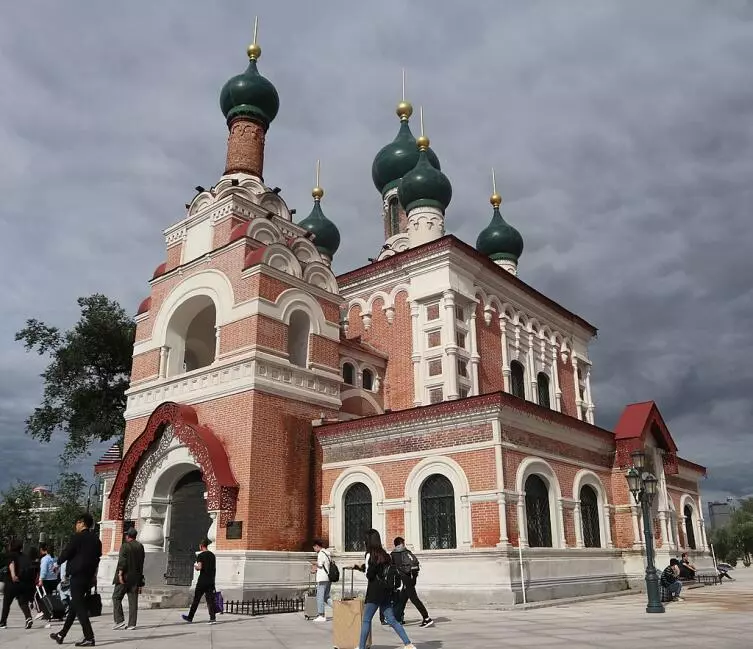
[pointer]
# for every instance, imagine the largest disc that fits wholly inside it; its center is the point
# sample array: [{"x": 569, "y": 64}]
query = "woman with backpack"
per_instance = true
[
  {"x": 380, "y": 594},
  {"x": 19, "y": 577}
]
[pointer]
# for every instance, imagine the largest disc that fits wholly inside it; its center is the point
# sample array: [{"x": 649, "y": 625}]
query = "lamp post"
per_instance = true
[
  {"x": 643, "y": 487},
  {"x": 93, "y": 485}
]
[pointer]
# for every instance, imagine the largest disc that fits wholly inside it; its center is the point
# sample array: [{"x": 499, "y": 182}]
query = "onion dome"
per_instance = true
[
  {"x": 249, "y": 94},
  {"x": 424, "y": 185},
  {"x": 499, "y": 240},
  {"x": 326, "y": 234},
  {"x": 399, "y": 156}
]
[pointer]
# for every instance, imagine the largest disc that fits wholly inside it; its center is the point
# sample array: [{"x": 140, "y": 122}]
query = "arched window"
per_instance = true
[
  {"x": 393, "y": 217},
  {"x": 542, "y": 380},
  {"x": 689, "y": 531},
  {"x": 298, "y": 338},
  {"x": 517, "y": 380},
  {"x": 589, "y": 516},
  {"x": 191, "y": 336},
  {"x": 349, "y": 374},
  {"x": 367, "y": 380},
  {"x": 438, "y": 514},
  {"x": 537, "y": 513},
  {"x": 357, "y": 511}
]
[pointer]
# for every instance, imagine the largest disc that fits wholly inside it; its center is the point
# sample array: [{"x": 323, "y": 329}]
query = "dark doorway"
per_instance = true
[
  {"x": 689, "y": 531},
  {"x": 189, "y": 523}
]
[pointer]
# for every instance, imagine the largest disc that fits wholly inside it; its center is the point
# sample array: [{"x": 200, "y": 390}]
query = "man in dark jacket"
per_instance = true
[
  {"x": 407, "y": 565},
  {"x": 82, "y": 555},
  {"x": 128, "y": 580}
]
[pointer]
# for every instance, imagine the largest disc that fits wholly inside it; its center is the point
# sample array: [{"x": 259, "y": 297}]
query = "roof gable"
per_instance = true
[{"x": 639, "y": 419}]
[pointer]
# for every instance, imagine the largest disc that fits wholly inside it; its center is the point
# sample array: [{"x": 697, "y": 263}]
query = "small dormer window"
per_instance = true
[
  {"x": 349, "y": 374},
  {"x": 367, "y": 380}
]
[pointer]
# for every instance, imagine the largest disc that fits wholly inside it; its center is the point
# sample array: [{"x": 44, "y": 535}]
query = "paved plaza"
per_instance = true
[{"x": 714, "y": 616}]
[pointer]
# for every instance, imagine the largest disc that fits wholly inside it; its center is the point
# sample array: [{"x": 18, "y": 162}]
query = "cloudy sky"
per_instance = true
[{"x": 621, "y": 133}]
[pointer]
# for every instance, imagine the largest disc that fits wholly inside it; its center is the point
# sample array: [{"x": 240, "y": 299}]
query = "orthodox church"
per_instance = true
[{"x": 431, "y": 394}]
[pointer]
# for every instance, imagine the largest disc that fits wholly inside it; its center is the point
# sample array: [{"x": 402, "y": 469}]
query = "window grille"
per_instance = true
[
  {"x": 542, "y": 381},
  {"x": 517, "y": 380},
  {"x": 537, "y": 513},
  {"x": 589, "y": 514},
  {"x": 357, "y": 506},
  {"x": 436, "y": 395},
  {"x": 438, "y": 514}
]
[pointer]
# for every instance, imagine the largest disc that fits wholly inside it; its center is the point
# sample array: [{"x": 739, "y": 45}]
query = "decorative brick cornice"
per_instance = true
[
  {"x": 400, "y": 259},
  {"x": 491, "y": 403}
]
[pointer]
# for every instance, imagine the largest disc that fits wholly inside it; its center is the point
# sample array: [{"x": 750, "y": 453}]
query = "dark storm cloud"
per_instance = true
[{"x": 621, "y": 134}]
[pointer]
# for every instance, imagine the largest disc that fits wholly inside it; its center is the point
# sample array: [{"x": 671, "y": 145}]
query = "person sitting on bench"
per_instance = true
[{"x": 687, "y": 569}]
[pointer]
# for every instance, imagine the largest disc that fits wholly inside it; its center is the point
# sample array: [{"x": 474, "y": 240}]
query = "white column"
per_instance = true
[
  {"x": 637, "y": 527},
  {"x": 163, "y": 356},
  {"x": 418, "y": 388},
  {"x": 522, "y": 521},
  {"x": 561, "y": 522},
  {"x": 608, "y": 526},
  {"x": 578, "y": 523},
  {"x": 217, "y": 343},
  {"x": 664, "y": 529},
  {"x": 590, "y": 407},
  {"x": 450, "y": 346},
  {"x": 531, "y": 370},
  {"x": 475, "y": 356},
  {"x": 556, "y": 380},
  {"x": 578, "y": 401},
  {"x": 505, "y": 359},
  {"x": 504, "y": 541}
]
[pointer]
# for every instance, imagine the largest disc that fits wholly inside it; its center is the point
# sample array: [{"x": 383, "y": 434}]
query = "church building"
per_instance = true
[{"x": 431, "y": 394}]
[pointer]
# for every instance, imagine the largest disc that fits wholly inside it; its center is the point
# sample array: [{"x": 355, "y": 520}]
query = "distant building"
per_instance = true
[
  {"x": 105, "y": 471},
  {"x": 721, "y": 511}
]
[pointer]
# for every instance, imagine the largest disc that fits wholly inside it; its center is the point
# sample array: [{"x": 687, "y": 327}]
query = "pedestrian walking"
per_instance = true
[
  {"x": 82, "y": 555},
  {"x": 380, "y": 592},
  {"x": 128, "y": 580},
  {"x": 18, "y": 581},
  {"x": 323, "y": 581},
  {"x": 408, "y": 566},
  {"x": 206, "y": 564},
  {"x": 48, "y": 575}
]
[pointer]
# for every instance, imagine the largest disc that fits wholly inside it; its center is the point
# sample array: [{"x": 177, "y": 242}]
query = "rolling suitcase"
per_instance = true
[
  {"x": 347, "y": 617},
  {"x": 50, "y": 605},
  {"x": 310, "y": 610}
]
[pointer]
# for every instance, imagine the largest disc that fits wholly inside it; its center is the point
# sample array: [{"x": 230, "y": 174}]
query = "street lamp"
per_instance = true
[
  {"x": 93, "y": 485},
  {"x": 643, "y": 486}
]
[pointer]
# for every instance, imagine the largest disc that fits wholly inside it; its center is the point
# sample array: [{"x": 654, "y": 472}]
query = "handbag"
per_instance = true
[{"x": 94, "y": 603}]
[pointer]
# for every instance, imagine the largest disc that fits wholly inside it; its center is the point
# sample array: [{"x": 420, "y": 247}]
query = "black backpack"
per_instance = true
[
  {"x": 409, "y": 564},
  {"x": 26, "y": 572},
  {"x": 334, "y": 572},
  {"x": 388, "y": 576}
]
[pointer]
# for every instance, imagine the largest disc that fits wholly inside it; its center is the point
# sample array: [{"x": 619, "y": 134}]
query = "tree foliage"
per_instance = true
[
  {"x": 86, "y": 379},
  {"x": 734, "y": 541}
]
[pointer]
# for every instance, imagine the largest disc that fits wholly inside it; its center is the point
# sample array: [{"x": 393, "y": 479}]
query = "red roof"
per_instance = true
[
  {"x": 145, "y": 305},
  {"x": 160, "y": 270},
  {"x": 254, "y": 257},
  {"x": 451, "y": 241},
  {"x": 638, "y": 419},
  {"x": 239, "y": 231}
]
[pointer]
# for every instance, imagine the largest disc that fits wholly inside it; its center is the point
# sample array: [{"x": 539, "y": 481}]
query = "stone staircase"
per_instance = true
[{"x": 156, "y": 597}]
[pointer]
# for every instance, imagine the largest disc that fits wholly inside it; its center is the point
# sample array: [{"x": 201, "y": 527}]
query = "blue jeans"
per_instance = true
[
  {"x": 389, "y": 616},
  {"x": 674, "y": 588},
  {"x": 322, "y": 595}
]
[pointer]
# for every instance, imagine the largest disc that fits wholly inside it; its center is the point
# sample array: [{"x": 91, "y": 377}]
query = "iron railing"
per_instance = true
[{"x": 268, "y": 606}]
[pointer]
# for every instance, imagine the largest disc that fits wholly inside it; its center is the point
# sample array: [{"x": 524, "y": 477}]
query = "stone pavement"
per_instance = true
[{"x": 714, "y": 616}]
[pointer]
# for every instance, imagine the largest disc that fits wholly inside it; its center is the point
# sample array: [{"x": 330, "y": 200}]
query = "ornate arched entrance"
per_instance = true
[{"x": 175, "y": 481}]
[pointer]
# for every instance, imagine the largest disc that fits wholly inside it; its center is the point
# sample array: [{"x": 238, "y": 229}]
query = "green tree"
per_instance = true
[
  {"x": 85, "y": 381},
  {"x": 67, "y": 504},
  {"x": 17, "y": 517}
]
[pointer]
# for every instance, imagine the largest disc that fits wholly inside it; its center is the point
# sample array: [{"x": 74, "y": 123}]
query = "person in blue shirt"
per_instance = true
[{"x": 48, "y": 576}]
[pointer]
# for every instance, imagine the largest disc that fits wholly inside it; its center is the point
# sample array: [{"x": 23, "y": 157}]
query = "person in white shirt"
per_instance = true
[{"x": 323, "y": 584}]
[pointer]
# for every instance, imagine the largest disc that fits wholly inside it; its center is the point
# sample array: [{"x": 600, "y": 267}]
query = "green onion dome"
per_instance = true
[
  {"x": 399, "y": 156},
  {"x": 249, "y": 94},
  {"x": 499, "y": 240},
  {"x": 425, "y": 184},
  {"x": 327, "y": 236}
]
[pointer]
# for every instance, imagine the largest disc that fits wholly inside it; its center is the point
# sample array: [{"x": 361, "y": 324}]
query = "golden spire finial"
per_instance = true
[
  {"x": 496, "y": 199},
  {"x": 254, "y": 51},
  {"x": 404, "y": 108},
  {"x": 317, "y": 192},
  {"x": 422, "y": 141}
]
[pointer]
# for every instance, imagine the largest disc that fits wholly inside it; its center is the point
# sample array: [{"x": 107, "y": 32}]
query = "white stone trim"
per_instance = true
[
  {"x": 536, "y": 466},
  {"x": 454, "y": 473},
  {"x": 413, "y": 455},
  {"x": 336, "y": 508},
  {"x": 586, "y": 477},
  {"x": 687, "y": 499}
]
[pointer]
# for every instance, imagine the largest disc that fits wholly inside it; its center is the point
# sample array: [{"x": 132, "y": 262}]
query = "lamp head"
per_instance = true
[
  {"x": 650, "y": 485},
  {"x": 634, "y": 481},
  {"x": 639, "y": 459}
]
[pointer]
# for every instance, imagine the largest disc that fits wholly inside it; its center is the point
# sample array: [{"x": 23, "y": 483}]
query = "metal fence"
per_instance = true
[{"x": 264, "y": 606}]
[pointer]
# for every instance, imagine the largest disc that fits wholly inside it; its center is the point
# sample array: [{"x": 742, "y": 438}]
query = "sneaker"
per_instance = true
[
  {"x": 186, "y": 619},
  {"x": 29, "y": 623},
  {"x": 119, "y": 625},
  {"x": 320, "y": 618},
  {"x": 427, "y": 622},
  {"x": 131, "y": 628},
  {"x": 409, "y": 646},
  {"x": 212, "y": 622},
  {"x": 3, "y": 626}
]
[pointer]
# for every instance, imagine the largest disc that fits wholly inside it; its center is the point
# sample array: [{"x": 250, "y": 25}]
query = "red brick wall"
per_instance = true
[
  {"x": 221, "y": 231},
  {"x": 174, "y": 254},
  {"x": 145, "y": 366},
  {"x": 485, "y": 524},
  {"x": 394, "y": 524},
  {"x": 324, "y": 351},
  {"x": 567, "y": 386},
  {"x": 511, "y": 507},
  {"x": 394, "y": 339},
  {"x": 569, "y": 516},
  {"x": 490, "y": 349}
]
